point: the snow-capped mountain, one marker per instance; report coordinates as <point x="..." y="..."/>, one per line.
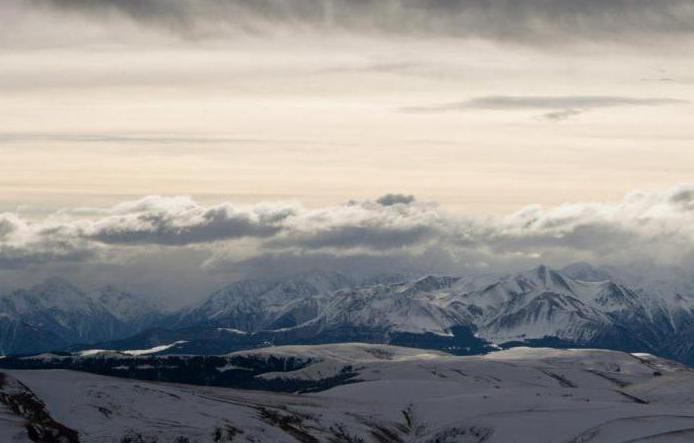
<point x="578" y="306"/>
<point x="544" y="303"/>
<point x="421" y="306"/>
<point x="583" y="271"/>
<point x="19" y="336"/>
<point x="59" y="307"/>
<point x="135" y="311"/>
<point x="55" y="313"/>
<point x="253" y="305"/>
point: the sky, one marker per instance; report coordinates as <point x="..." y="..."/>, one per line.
<point x="177" y="145"/>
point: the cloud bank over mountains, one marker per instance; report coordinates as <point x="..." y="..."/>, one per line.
<point x="395" y="229"/>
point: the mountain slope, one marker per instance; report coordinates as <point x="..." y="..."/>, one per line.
<point x="135" y="312"/>
<point x="253" y="305"/>
<point x="393" y="394"/>
<point x="55" y="313"/>
<point x="58" y="307"/>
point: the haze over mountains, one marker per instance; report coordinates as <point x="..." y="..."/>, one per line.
<point x="578" y="306"/>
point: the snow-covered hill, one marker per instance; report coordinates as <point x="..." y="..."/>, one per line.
<point x="395" y="395"/>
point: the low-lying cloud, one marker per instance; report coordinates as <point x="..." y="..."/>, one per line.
<point x="181" y="221"/>
<point x="643" y="226"/>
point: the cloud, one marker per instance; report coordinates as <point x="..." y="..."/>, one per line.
<point x="41" y="254"/>
<point x="404" y="233"/>
<point x="514" y="102"/>
<point x="393" y="221"/>
<point x="537" y="20"/>
<point x="8" y="224"/>
<point x="139" y="140"/>
<point x="648" y="226"/>
<point x="394" y="199"/>
<point x="561" y="115"/>
<point x="181" y="221"/>
<point x="502" y="102"/>
<point x="562" y="107"/>
<point x="23" y="243"/>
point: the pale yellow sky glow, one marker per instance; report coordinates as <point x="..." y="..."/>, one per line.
<point x="177" y="145"/>
<point x="323" y="117"/>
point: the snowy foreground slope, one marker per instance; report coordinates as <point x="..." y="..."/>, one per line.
<point x="397" y="395"/>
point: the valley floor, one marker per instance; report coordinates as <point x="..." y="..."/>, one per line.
<point x="521" y="395"/>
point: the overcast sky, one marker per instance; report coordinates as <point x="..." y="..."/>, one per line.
<point x="251" y="124"/>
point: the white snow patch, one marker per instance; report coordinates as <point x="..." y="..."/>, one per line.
<point x="91" y="352"/>
<point x="154" y="350"/>
<point x="233" y="331"/>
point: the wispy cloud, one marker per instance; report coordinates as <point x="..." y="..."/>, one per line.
<point x="561" y="115"/>
<point x="562" y="107"/>
<point x="162" y="139"/>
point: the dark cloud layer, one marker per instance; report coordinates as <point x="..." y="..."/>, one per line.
<point x="394" y="199"/>
<point x="503" y="19"/>
<point x="177" y="228"/>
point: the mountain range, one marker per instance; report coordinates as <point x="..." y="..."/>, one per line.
<point x="577" y="306"/>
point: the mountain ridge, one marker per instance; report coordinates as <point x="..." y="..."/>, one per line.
<point x="576" y="306"/>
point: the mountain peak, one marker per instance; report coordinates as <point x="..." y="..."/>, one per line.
<point x="432" y="283"/>
<point x="56" y="285"/>
<point x="585" y="272"/>
<point x="133" y="309"/>
<point x="544" y="272"/>
<point x="323" y="280"/>
<point x="546" y="277"/>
